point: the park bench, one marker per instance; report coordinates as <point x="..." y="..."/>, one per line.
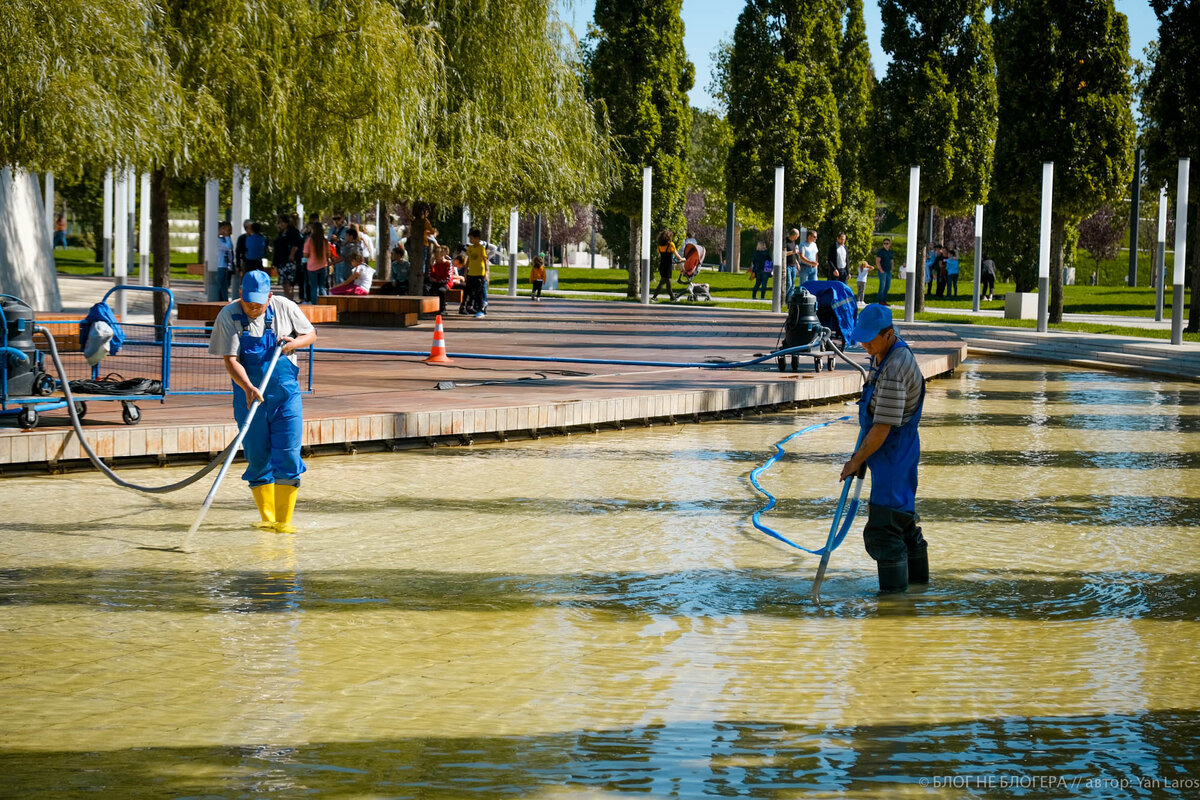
<point x="207" y="312"/>
<point x="452" y="295"/>
<point x="380" y="310"/>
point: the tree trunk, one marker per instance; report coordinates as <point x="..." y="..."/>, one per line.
<point x="200" y="247"/>
<point x="1193" y="325"/>
<point x="487" y="230"/>
<point x="160" y="240"/>
<point x="417" y="231"/>
<point x="633" y="290"/>
<point x="919" y="267"/>
<point x="383" y="259"/>
<point x="1058" y="226"/>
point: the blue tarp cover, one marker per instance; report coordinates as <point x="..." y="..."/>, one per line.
<point x="837" y="297"/>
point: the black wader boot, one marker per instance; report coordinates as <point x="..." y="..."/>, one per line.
<point x="894" y="540"/>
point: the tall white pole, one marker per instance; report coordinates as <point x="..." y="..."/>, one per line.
<point x="647" y="179"/>
<point x="779" y="273"/>
<point x="212" y="257"/>
<point x="1181" y="201"/>
<point x="1160" y="263"/>
<point x="380" y="222"/>
<point x="107" y="231"/>
<point x="514" y="220"/>
<point x="978" y="256"/>
<point x="235" y="204"/>
<point x="131" y="217"/>
<point x="466" y="223"/>
<point x="49" y="205"/>
<point x="120" y="253"/>
<point x="144" y="233"/>
<point x="1044" y="248"/>
<point x="910" y="245"/>
<point x="244" y="212"/>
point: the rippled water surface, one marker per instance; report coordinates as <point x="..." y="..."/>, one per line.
<point x="595" y="617"/>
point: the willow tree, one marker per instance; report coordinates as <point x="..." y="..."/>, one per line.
<point x="1065" y="96"/>
<point x="853" y="89"/>
<point x="337" y="102"/>
<point x="513" y="127"/>
<point x="782" y="107"/>
<point x="80" y="85"/>
<point x="1170" y="96"/>
<point x="936" y="105"/>
<point x="638" y="69"/>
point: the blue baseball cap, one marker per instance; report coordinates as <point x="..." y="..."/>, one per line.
<point x="256" y="286"/>
<point x="871" y="321"/>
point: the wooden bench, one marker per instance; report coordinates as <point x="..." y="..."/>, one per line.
<point x="63" y="326"/>
<point x="380" y="310"/>
<point x="452" y="295"/>
<point x="207" y="312"/>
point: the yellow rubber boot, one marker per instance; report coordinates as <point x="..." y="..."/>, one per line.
<point x="264" y="498"/>
<point x="285" y="504"/>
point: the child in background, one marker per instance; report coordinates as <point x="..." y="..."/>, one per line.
<point x="360" y="278"/>
<point x="864" y="271"/>
<point x="537" y="277"/>
<point x="760" y="270"/>
<point x="441" y="276"/>
<point x="477" y="274"/>
<point x="951" y="273"/>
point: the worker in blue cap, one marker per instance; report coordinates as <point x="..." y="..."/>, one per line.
<point x="888" y="415"/>
<point x="245" y="334"/>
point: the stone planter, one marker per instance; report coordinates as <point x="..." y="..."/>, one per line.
<point x="1021" y="305"/>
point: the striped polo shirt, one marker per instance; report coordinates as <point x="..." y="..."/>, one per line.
<point x="897" y="388"/>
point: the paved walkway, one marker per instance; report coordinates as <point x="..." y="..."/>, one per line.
<point x="392" y="401"/>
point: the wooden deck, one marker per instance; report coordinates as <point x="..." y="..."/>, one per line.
<point x="384" y="402"/>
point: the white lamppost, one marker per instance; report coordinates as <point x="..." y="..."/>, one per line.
<point x="780" y="274"/>
<point x="647" y="178"/>
<point x="1181" y="201"/>
<point x="910" y="245"/>
<point x="1044" y="248"/>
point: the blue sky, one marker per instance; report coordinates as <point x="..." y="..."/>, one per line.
<point x="706" y="22"/>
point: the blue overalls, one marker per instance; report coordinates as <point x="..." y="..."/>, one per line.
<point x="892" y="536"/>
<point x="272" y="444"/>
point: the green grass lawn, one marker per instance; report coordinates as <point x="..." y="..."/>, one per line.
<point x="1118" y="300"/>
<point x="82" y="261"/>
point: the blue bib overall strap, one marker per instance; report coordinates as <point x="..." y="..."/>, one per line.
<point x="272" y="444"/>
<point x="894" y="465"/>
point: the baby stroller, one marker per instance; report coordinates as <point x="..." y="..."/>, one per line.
<point x="689" y="269"/>
<point x="836" y="309"/>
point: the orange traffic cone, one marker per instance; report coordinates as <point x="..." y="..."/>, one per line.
<point x="437" y="355"/>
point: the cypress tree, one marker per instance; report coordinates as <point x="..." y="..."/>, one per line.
<point x="1170" y="98"/>
<point x="782" y="108"/>
<point x="1065" y="96"/>
<point x="636" y="66"/>
<point x="936" y="106"/>
<point x="853" y="89"/>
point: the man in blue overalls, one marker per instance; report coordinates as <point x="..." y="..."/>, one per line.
<point x="245" y="334"/>
<point x="888" y="415"/>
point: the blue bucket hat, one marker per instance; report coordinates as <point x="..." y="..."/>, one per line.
<point x="871" y="321"/>
<point x="256" y="286"/>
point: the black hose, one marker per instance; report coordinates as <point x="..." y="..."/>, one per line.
<point x="91" y="454"/>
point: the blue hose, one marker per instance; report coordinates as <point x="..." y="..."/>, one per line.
<point x="830" y="545"/>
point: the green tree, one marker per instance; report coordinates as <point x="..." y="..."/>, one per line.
<point x="853" y="88"/>
<point x="782" y="108"/>
<point x="81" y="83"/>
<point x="936" y="105"/>
<point x="1065" y="96"/>
<point x="1170" y="106"/>
<point x="636" y="67"/>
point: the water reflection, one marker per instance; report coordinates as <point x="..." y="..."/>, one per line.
<point x="594" y="616"/>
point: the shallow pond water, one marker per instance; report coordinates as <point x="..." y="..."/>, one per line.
<point x="594" y="616"/>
